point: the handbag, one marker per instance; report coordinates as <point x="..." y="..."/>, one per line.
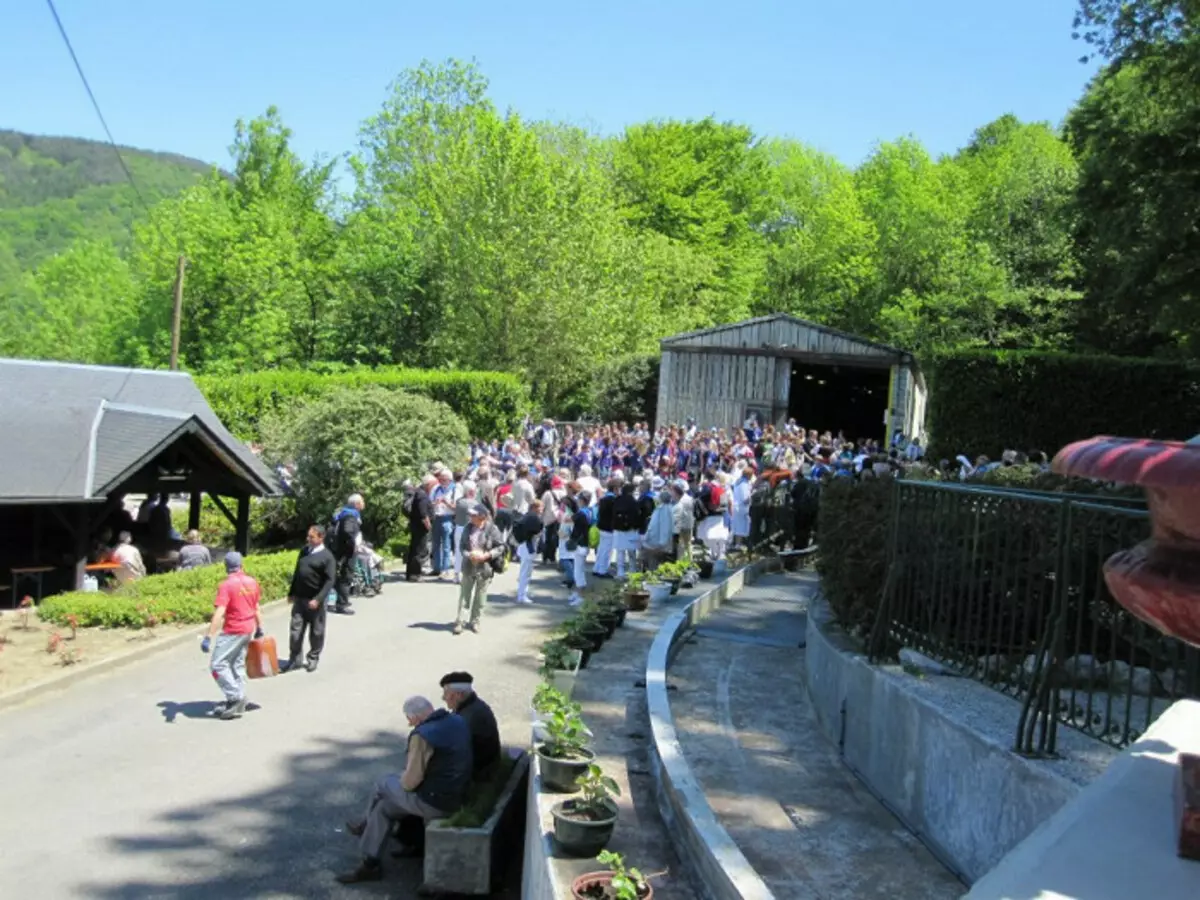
<point x="262" y="660"/>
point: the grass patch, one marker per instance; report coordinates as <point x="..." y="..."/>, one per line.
<point x="481" y="799"/>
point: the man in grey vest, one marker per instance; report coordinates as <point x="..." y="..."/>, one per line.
<point x="433" y="785"/>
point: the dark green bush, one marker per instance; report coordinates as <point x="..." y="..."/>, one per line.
<point x="180" y="597"/>
<point x="989" y="401"/>
<point x="273" y="523"/>
<point x="491" y="403"/>
<point x="626" y="390"/>
<point x="853" y="522"/>
<point x="366" y="440"/>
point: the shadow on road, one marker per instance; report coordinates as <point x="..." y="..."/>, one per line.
<point x="285" y="841"/>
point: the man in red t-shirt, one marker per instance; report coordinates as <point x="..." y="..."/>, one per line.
<point x="236" y="619"/>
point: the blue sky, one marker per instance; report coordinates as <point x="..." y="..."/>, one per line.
<point x="839" y="74"/>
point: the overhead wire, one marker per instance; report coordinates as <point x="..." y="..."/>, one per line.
<point x="99" y="113"/>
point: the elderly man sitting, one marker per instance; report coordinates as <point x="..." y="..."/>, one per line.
<point x="434" y="783"/>
<point x="458" y="691"/>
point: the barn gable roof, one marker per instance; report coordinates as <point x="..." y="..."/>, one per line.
<point x="689" y="337"/>
<point x="74" y="433"/>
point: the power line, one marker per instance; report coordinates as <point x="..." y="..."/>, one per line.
<point x="96" y="106"/>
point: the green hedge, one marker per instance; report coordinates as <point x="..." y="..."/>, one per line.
<point x="182" y="597"/>
<point x="626" y="390"/>
<point x="854" y="520"/>
<point x="491" y="403"/>
<point x="990" y="401"/>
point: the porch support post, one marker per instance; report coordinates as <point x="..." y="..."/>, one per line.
<point x="242" y="526"/>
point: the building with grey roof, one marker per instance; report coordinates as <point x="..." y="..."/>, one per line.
<point x="76" y="439"/>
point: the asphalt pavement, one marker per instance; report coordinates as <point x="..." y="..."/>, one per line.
<point x="122" y="787"/>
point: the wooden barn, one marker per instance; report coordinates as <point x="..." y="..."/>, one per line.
<point x="779" y="367"/>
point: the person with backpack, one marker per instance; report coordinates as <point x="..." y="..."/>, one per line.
<point x="710" y="516"/>
<point x="525" y="533"/>
<point x="342" y="538"/>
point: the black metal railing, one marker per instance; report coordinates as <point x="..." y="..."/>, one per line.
<point x="784" y="516"/>
<point x="1006" y="586"/>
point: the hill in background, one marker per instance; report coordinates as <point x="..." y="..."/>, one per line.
<point x="54" y="191"/>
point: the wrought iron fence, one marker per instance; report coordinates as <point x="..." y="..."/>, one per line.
<point x="1006" y="586"/>
<point x="784" y="516"/>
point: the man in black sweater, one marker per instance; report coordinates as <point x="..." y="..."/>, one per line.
<point x="420" y="514"/>
<point x="458" y="691"/>
<point x="314" y="578"/>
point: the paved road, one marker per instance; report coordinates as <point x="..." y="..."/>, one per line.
<point x="803" y="821"/>
<point x="119" y="787"/>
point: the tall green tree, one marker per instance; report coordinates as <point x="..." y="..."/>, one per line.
<point x="1137" y="136"/>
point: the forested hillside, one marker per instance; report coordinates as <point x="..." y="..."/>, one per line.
<point x="55" y="191"/>
<point x="477" y="239"/>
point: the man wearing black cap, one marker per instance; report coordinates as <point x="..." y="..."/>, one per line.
<point x="458" y="692"/>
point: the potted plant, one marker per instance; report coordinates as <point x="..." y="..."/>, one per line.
<point x="547" y="700"/>
<point x="659" y="590"/>
<point x="593" y="611"/>
<point x="672" y="574"/>
<point x="618" y="883"/>
<point x="561" y="662"/>
<point x="568" y="634"/>
<point x="704" y="563"/>
<point x="586" y="626"/>
<point x="584" y="826"/>
<point x="564" y="757"/>
<point x="637" y="596"/>
<point x="612" y="605"/>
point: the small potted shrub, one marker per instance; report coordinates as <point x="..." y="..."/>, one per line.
<point x="561" y="662"/>
<point x="583" y="826"/>
<point x="569" y="635"/>
<point x="637" y="596"/>
<point x="594" y="612"/>
<point x="564" y="757"/>
<point x="547" y="700"/>
<point x="612" y="605"/>
<point x="587" y="629"/>
<point x="671" y="573"/>
<point x="658" y="588"/>
<point x="618" y="883"/>
<point x="704" y="563"/>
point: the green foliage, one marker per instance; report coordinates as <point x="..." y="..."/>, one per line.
<point x="854" y="521"/>
<point x="566" y="735"/>
<point x="627" y="884"/>
<point x="491" y="403"/>
<point x="597" y="790"/>
<point x="273" y="522"/>
<point x="483" y="794"/>
<point x="626" y="390"/>
<point x="365" y="440"/>
<point x="180" y="597"/>
<point x="986" y="402"/>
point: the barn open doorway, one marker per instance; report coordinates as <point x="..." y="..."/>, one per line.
<point x="839" y="398"/>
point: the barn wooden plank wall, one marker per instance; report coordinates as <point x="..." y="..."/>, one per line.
<point x="717" y="388"/>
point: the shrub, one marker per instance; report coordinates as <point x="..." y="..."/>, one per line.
<point x="366" y="440"/>
<point x="184" y="597"/>
<point x="853" y="522"/>
<point x="273" y="522"/>
<point x="491" y="403"/>
<point x="989" y="401"/>
<point x="626" y="390"/>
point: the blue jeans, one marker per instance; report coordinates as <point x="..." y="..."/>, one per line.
<point x="443" y="544"/>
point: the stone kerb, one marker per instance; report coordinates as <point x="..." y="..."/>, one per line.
<point x="933" y="749"/>
<point x="698" y="837"/>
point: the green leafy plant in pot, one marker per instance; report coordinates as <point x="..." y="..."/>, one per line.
<point x="618" y="883"/>
<point x="612" y="604"/>
<point x="637" y="598"/>
<point x="585" y="632"/>
<point x="584" y="826"/>
<point x="592" y="611"/>
<point x="559" y="656"/>
<point x="564" y="756"/>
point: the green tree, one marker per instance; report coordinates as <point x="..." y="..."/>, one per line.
<point x="76" y="307"/>
<point x="366" y="440"/>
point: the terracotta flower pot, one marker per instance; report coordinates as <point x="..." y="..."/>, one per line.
<point x="1159" y="579"/>
<point x="593" y="880"/>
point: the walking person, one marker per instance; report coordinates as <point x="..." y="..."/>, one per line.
<point x="483" y="544"/>
<point x="552" y="501"/>
<point x="236" y="619"/>
<point x="525" y="533"/>
<point x="743" y="490"/>
<point x="604" y="523"/>
<point x="344" y="537"/>
<point x="442" y="499"/>
<point x="314" y="578"/>
<point x="419" y="513"/>
<point x="685" y="520"/>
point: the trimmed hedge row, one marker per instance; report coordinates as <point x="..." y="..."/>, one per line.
<point x="491" y="403"/>
<point x="854" y="522"/>
<point x="180" y="597"/>
<point x="989" y="401"/>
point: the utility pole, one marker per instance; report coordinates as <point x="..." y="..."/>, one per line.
<point x="177" y="313"/>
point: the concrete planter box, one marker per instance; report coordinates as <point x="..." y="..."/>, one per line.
<point x="470" y="860"/>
